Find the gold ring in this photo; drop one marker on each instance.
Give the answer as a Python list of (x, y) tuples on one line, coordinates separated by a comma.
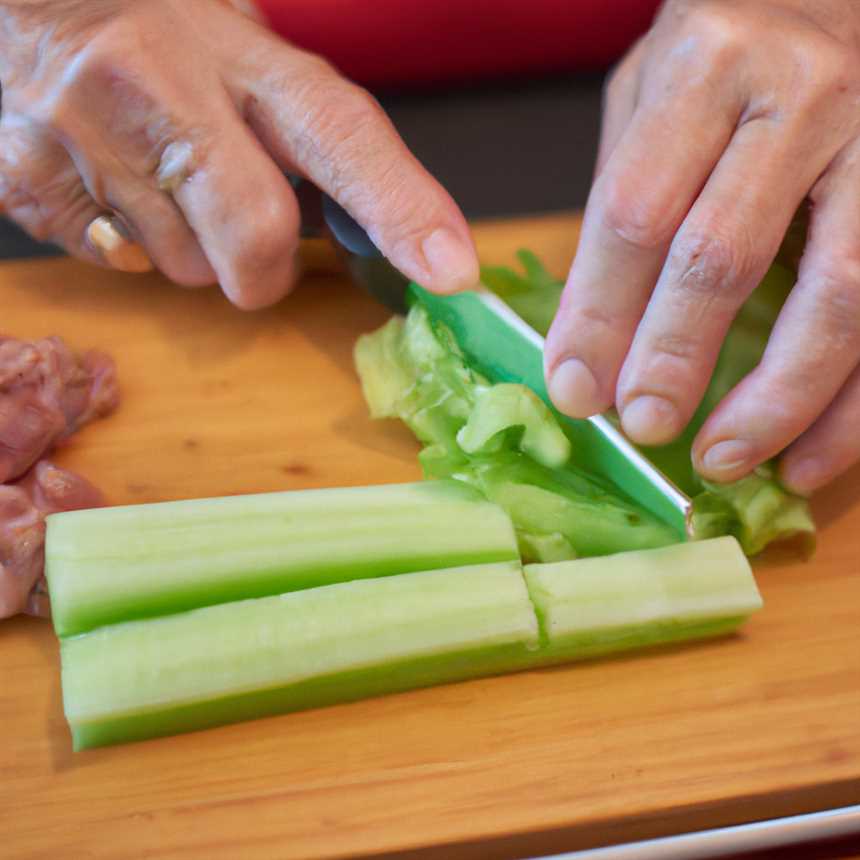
[(107, 236)]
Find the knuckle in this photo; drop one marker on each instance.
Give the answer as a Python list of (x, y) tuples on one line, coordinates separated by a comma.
[(839, 302), (680, 346), (338, 130), (633, 219), (707, 265), (599, 318), (273, 236), (96, 68), (107, 93), (284, 69), (673, 359), (336, 111), (112, 90), (824, 70), (718, 32)]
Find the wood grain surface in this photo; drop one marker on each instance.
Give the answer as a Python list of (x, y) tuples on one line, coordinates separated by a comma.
[(216, 402)]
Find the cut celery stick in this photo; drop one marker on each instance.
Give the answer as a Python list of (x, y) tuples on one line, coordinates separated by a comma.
[(115, 564), (274, 654), (593, 606), (335, 643)]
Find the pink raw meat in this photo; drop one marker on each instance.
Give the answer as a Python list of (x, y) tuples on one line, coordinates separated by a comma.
[(46, 393), (44, 490)]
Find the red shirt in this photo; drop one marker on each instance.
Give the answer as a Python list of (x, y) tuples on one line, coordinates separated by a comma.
[(401, 42)]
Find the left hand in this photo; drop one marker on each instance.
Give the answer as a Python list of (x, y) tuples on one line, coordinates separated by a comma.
[(717, 125), (139, 133)]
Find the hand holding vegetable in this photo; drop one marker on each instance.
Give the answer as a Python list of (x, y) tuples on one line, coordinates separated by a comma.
[(717, 125), (160, 131)]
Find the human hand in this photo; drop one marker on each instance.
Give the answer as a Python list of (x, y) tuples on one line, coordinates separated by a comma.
[(179, 118), (716, 127)]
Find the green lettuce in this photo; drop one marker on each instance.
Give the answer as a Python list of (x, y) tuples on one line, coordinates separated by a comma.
[(533, 295), (502, 439), (757, 510)]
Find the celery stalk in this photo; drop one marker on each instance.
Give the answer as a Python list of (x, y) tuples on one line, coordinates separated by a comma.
[(115, 564), (268, 655), (594, 606), (335, 643)]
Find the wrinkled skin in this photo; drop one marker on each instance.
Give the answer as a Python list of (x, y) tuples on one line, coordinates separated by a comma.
[(46, 393), (44, 490), (101, 96), (717, 125)]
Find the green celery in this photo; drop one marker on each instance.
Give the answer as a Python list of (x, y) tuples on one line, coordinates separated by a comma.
[(308, 648), (594, 606), (336, 643), (115, 564)]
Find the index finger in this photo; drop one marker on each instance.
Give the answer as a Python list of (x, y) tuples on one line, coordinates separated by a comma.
[(635, 208), (334, 133)]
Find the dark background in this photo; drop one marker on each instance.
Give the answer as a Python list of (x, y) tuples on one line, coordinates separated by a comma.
[(508, 148)]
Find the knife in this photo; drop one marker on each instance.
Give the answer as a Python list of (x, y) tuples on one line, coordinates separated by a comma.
[(504, 348)]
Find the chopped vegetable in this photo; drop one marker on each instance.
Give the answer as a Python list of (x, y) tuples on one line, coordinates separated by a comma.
[(475, 431), (502, 439), (534, 295), (115, 564), (274, 654), (336, 643), (603, 605), (505, 409), (757, 510)]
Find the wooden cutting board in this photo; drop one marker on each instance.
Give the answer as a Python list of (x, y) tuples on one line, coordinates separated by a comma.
[(215, 402)]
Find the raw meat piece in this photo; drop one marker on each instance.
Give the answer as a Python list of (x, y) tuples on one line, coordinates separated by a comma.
[(45, 489), (46, 393)]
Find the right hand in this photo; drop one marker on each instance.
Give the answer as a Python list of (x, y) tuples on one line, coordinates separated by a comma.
[(718, 125), (179, 118)]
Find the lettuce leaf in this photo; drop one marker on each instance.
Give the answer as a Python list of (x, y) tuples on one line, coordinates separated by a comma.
[(757, 510), (534, 295), (502, 439)]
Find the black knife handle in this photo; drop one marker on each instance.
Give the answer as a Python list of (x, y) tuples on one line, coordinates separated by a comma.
[(324, 217)]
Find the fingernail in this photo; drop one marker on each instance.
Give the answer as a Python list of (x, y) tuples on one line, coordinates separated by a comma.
[(451, 261), (804, 476), (573, 389), (651, 420), (727, 456)]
